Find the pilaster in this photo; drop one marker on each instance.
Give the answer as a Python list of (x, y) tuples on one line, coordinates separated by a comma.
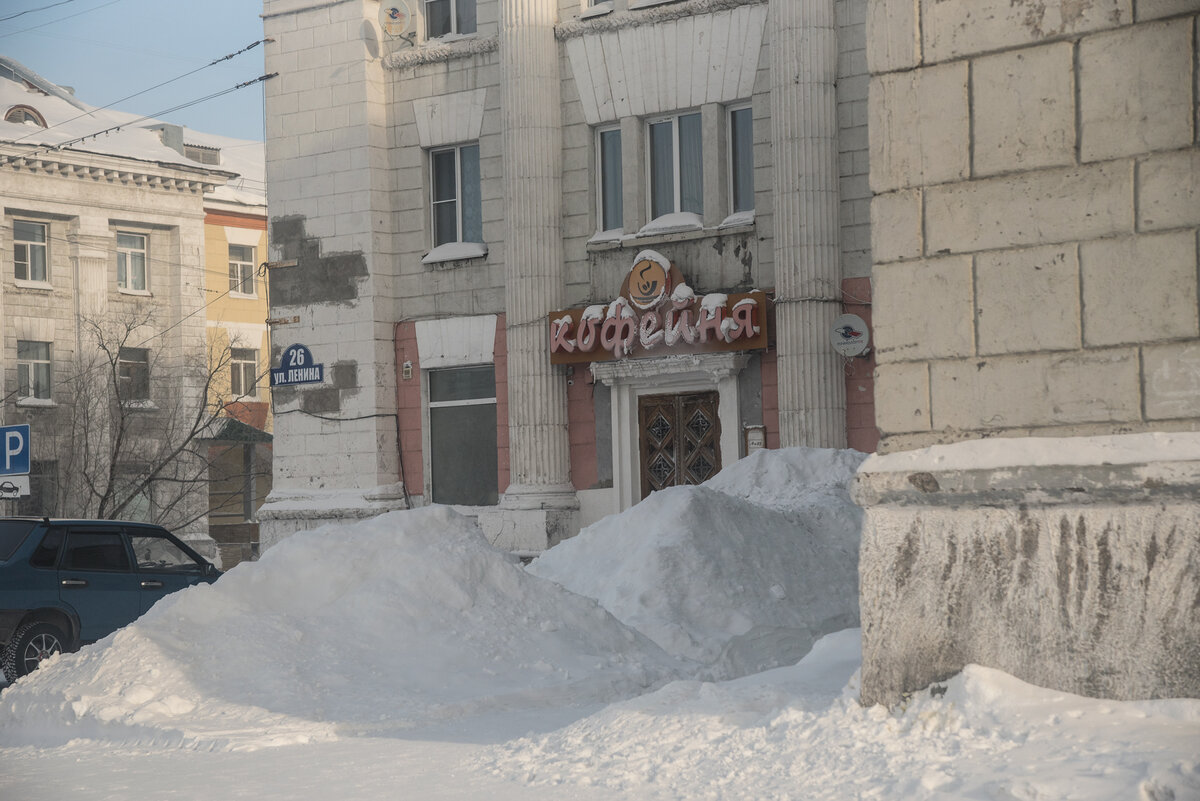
[(804, 138)]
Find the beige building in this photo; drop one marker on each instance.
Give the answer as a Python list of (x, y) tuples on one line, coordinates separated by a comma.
[(103, 305)]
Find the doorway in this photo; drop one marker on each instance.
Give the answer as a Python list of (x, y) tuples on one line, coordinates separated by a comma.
[(679, 439)]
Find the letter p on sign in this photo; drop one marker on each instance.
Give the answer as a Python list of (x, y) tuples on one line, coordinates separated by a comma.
[(14, 441)]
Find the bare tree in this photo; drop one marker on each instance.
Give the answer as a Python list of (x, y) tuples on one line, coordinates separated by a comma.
[(133, 418)]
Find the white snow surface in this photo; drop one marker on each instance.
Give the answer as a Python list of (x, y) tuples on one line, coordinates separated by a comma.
[(742, 573), (403, 657)]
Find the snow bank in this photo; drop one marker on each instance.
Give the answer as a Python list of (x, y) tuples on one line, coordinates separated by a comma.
[(368, 628), (799, 733), (742, 573)]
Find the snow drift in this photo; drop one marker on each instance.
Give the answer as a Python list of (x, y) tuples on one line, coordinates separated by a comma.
[(743, 572), (373, 627)]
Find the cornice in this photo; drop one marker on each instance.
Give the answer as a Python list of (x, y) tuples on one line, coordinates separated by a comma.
[(437, 53), (652, 15), (113, 171)]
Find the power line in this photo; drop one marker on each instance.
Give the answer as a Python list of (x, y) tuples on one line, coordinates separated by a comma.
[(212, 63), (59, 19), (115, 128), (32, 10)]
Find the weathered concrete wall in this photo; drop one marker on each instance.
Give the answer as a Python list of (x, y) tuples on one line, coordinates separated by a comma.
[(1082, 578), (1034, 232)]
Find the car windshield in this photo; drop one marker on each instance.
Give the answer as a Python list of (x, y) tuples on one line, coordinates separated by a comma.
[(12, 534)]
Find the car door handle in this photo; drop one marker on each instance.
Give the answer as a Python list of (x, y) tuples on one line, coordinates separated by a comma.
[(74, 583), (151, 584)]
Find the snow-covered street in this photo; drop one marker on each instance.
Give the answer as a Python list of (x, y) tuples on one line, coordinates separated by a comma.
[(655, 656)]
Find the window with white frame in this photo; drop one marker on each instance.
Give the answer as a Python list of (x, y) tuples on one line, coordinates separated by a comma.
[(741, 159), (243, 379), (33, 369), (444, 17), (133, 374), (456, 196), (29, 251), (131, 261), (241, 270), (462, 435), (676, 165), (608, 167)]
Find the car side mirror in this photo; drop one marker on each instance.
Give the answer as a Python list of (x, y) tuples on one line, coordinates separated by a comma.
[(210, 569)]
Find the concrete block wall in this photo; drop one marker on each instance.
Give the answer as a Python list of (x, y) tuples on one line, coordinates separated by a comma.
[(1035, 217)]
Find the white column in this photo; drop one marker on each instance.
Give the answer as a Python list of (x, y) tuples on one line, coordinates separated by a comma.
[(533, 256), (804, 131)]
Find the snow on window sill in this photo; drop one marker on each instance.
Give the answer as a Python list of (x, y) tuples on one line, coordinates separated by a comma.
[(597, 10), (738, 219), (455, 251), (649, 4), (672, 224), (139, 405), (44, 286), (145, 293), (449, 38), (36, 403), (603, 237)]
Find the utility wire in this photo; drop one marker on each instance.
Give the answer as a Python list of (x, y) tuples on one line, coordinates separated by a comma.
[(115, 128), (60, 19), (212, 63), (32, 10)]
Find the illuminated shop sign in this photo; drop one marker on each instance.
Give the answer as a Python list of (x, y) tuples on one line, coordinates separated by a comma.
[(657, 314)]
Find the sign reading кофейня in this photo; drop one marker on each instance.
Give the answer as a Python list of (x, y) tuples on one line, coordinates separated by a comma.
[(657, 314)]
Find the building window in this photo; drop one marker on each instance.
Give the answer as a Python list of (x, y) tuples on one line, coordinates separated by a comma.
[(243, 379), (131, 262), (457, 201), (741, 159), (676, 165), (22, 114), (29, 251), (462, 435), (133, 374), (608, 167), (33, 369), (241, 270), (444, 17)]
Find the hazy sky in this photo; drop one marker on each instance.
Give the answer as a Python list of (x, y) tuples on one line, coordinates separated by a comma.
[(111, 49)]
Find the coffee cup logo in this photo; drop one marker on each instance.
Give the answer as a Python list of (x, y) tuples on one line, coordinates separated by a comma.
[(647, 284)]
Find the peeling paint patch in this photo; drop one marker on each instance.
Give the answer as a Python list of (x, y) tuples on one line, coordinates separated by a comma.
[(316, 278)]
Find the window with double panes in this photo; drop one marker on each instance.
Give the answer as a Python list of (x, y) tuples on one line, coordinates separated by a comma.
[(676, 164), (33, 369), (608, 167), (241, 270), (456, 197), (444, 17), (243, 379), (29, 251), (462, 435), (131, 261), (133, 374)]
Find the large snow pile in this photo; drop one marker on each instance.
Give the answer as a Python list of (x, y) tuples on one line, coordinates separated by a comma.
[(743, 572), (364, 628), (799, 733)]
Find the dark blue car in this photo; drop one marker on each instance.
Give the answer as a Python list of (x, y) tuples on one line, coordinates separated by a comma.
[(64, 583)]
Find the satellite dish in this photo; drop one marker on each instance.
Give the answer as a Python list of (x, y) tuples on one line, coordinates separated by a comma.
[(395, 18), (849, 335)]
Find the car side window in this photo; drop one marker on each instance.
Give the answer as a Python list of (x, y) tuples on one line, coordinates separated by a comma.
[(46, 554), (95, 550), (159, 553)]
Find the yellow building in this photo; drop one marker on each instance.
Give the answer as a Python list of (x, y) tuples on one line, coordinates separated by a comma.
[(235, 247)]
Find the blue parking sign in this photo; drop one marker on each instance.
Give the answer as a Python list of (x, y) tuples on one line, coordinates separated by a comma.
[(14, 450)]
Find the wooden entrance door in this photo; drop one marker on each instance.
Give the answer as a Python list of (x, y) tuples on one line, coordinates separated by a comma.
[(680, 439)]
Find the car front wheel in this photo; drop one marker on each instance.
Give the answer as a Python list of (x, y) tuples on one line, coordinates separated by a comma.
[(31, 645)]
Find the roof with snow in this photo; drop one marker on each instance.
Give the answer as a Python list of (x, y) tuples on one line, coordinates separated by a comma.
[(74, 125)]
